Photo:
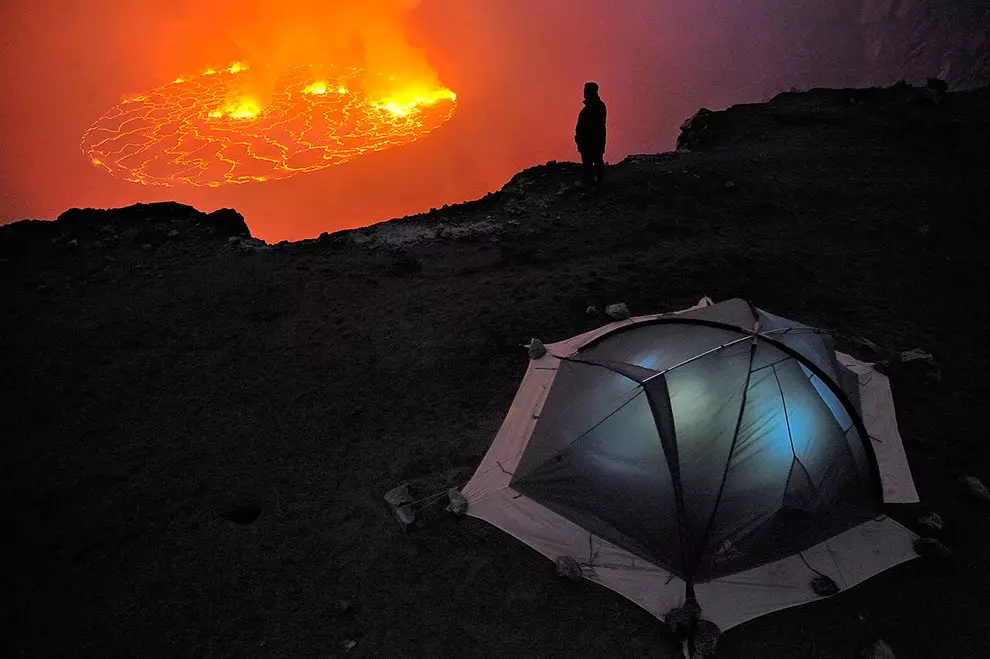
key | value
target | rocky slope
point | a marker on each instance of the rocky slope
(947, 39)
(863, 43)
(198, 427)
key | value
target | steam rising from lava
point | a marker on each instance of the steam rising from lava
(293, 108)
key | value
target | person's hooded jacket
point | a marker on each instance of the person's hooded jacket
(590, 131)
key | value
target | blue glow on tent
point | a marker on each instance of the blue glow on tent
(804, 429)
(834, 404)
(777, 435)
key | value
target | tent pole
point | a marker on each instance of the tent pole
(694, 610)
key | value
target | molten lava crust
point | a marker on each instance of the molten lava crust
(210, 129)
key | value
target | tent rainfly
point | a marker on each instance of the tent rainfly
(720, 455)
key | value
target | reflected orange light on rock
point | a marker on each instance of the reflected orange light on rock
(517, 69)
(211, 129)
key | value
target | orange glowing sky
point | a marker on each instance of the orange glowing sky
(516, 66)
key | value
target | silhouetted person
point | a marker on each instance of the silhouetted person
(590, 135)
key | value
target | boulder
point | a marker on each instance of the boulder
(975, 489)
(878, 650)
(252, 245)
(921, 361)
(706, 640)
(930, 523)
(228, 222)
(824, 586)
(568, 568)
(536, 348)
(618, 311)
(931, 548)
(458, 504)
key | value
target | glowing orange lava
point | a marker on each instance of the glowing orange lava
(210, 129)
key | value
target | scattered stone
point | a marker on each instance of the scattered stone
(251, 245)
(147, 247)
(343, 607)
(568, 568)
(706, 640)
(458, 504)
(349, 645)
(824, 586)
(173, 233)
(729, 185)
(678, 620)
(592, 310)
(683, 619)
(879, 650)
(233, 240)
(930, 523)
(73, 243)
(921, 360)
(618, 311)
(536, 348)
(915, 354)
(400, 501)
(882, 366)
(975, 488)
(931, 548)
(866, 343)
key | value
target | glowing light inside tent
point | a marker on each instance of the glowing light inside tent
(834, 404)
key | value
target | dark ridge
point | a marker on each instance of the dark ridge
(142, 223)
(161, 370)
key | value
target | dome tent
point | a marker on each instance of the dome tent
(721, 454)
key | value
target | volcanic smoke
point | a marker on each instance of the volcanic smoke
(316, 87)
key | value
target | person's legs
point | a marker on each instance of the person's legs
(588, 167)
(600, 168)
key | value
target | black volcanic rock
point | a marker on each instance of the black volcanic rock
(150, 397)
(228, 222)
(142, 224)
(856, 43)
(917, 39)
